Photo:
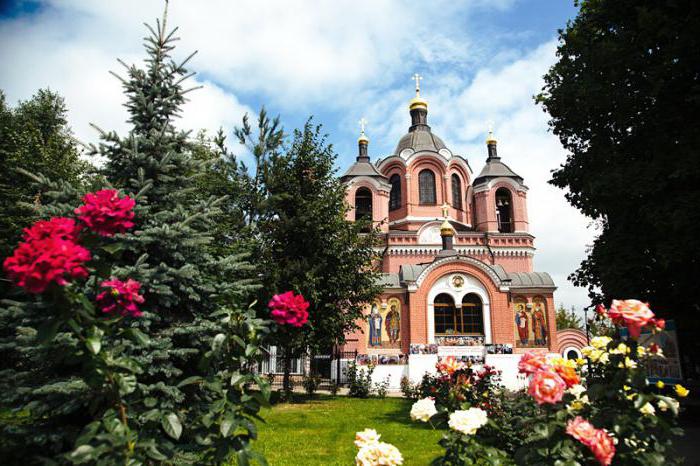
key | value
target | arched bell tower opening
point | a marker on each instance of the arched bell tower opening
(504, 210)
(363, 205)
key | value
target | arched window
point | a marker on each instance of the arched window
(472, 315)
(426, 187)
(395, 195)
(504, 210)
(363, 204)
(445, 313)
(456, 192)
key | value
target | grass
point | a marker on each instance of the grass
(321, 431)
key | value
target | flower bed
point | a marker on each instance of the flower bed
(601, 410)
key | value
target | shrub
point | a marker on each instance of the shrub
(410, 390)
(381, 389)
(574, 412)
(311, 383)
(359, 380)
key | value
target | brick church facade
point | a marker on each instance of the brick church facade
(456, 255)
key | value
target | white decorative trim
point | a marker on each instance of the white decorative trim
(469, 260)
(471, 285)
(378, 185)
(411, 218)
(488, 186)
(499, 251)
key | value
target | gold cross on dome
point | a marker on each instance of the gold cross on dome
(362, 123)
(445, 208)
(417, 78)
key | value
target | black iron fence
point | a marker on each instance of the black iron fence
(330, 368)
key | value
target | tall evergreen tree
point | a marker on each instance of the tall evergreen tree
(190, 298)
(309, 247)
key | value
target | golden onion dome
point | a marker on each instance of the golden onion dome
(446, 229)
(363, 139)
(491, 139)
(417, 102)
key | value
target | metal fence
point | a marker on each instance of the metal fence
(330, 368)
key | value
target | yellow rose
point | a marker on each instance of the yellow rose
(681, 391)
(660, 384)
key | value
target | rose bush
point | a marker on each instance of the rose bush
(601, 410)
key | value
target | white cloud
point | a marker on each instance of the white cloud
(346, 58)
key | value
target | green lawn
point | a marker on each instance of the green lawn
(321, 431)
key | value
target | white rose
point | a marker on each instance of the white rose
(366, 437)
(577, 390)
(647, 409)
(468, 421)
(669, 403)
(423, 410)
(379, 454)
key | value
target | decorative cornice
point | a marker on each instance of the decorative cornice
(469, 260)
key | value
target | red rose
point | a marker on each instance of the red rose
(120, 297)
(36, 264)
(56, 227)
(288, 309)
(105, 213)
(600, 310)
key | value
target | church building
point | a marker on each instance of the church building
(456, 257)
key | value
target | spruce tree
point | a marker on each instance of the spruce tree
(193, 384)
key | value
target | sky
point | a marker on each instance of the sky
(482, 61)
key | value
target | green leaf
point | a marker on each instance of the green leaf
(236, 378)
(94, 344)
(227, 424)
(137, 336)
(150, 402)
(82, 454)
(172, 426)
(190, 381)
(126, 383)
(218, 342)
(47, 331)
(113, 248)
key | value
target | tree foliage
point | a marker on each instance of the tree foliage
(310, 247)
(34, 136)
(191, 401)
(567, 318)
(624, 99)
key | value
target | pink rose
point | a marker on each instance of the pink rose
(531, 362)
(288, 309)
(597, 440)
(120, 297)
(581, 430)
(546, 386)
(105, 213)
(631, 313)
(603, 447)
(35, 264)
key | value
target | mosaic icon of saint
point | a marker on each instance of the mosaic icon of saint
(393, 324)
(539, 326)
(375, 327)
(521, 322)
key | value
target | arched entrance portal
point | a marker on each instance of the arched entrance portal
(458, 311)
